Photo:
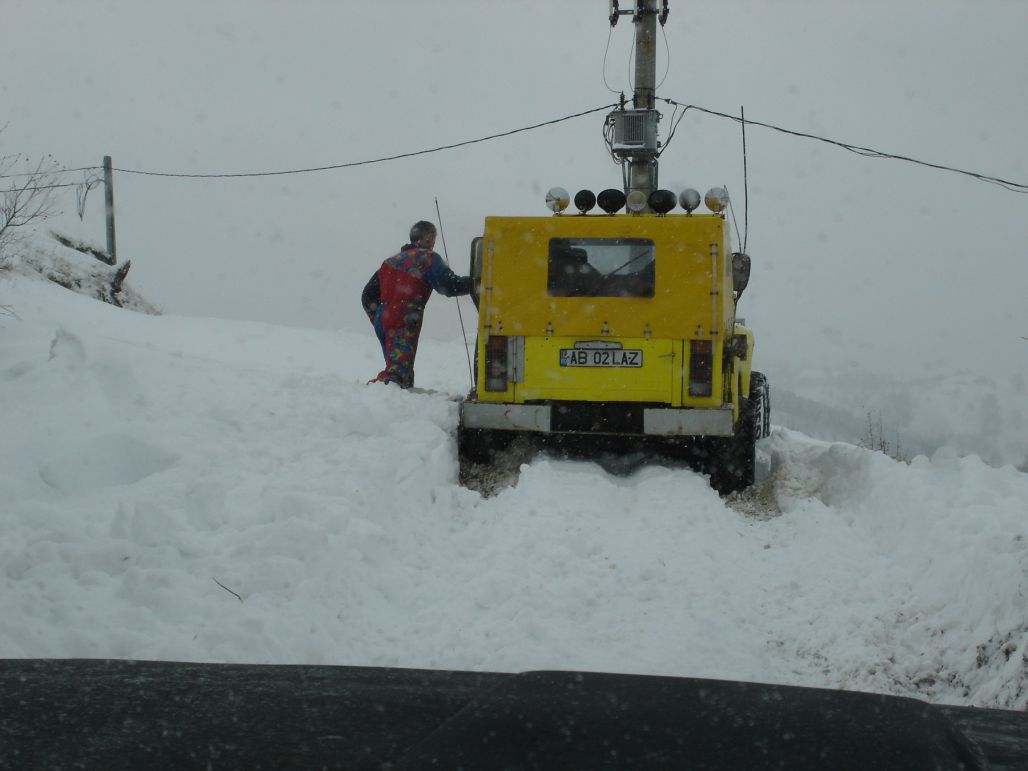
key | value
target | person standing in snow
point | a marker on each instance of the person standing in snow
(395, 297)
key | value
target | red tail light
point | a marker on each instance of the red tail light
(496, 363)
(701, 367)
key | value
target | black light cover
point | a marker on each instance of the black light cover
(585, 200)
(611, 200)
(662, 201)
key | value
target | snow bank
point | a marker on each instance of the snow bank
(944, 562)
(204, 490)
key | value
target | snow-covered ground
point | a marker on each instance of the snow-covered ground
(204, 490)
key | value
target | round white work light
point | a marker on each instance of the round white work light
(689, 199)
(557, 199)
(716, 199)
(636, 201)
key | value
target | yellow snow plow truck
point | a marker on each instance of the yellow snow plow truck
(602, 332)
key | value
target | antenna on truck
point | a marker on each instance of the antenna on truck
(460, 315)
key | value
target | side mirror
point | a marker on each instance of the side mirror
(740, 272)
(475, 269)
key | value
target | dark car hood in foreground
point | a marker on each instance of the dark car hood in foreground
(129, 714)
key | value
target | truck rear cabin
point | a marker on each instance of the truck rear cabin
(613, 331)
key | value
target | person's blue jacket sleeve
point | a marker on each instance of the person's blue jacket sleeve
(444, 280)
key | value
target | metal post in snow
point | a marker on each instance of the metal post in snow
(109, 205)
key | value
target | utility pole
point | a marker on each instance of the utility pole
(642, 169)
(635, 130)
(109, 206)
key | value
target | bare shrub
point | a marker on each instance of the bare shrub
(26, 199)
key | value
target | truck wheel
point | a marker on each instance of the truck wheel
(487, 463)
(480, 445)
(760, 397)
(742, 462)
(473, 445)
(735, 466)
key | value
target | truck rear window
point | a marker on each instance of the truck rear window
(600, 267)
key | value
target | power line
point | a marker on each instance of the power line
(39, 187)
(605, 51)
(53, 172)
(374, 160)
(1014, 187)
(47, 172)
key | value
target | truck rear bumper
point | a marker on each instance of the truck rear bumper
(655, 421)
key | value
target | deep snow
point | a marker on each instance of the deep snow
(205, 490)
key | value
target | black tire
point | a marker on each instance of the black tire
(480, 445)
(487, 462)
(473, 445)
(760, 397)
(736, 462)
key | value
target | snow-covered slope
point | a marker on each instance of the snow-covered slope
(194, 489)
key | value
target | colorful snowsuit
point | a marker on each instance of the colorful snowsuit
(405, 282)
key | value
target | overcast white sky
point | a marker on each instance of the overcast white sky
(862, 263)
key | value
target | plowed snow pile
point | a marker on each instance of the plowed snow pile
(206, 490)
